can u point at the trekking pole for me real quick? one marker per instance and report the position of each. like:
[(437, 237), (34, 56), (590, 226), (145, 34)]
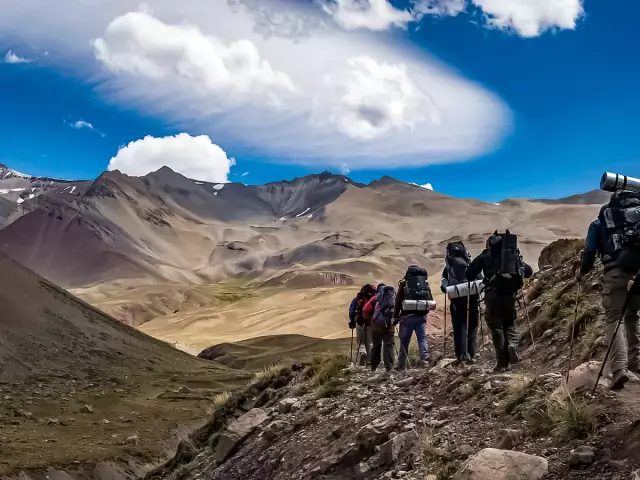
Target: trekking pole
[(466, 344), (444, 342), (480, 316), (360, 336), (573, 329), (634, 290)]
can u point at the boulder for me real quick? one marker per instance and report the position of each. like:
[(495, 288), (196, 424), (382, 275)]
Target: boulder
[(236, 433), (583, 455), (494, 464), (287, 405), (581, 378), (375, 433), (508, 439), (407, 382), (390, 451), (272, 430)]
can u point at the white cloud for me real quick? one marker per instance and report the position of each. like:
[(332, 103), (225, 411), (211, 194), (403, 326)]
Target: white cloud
[(344, 169), (439, 7), (83, 125), (245, 174), (373, 98), (426, 186), (12, 58), (181, 56), (293, 87), (194, 157), (367, 14), (531, 18)]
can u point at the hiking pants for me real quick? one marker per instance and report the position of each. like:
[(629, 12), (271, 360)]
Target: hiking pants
[(408, 325), (501, 320), (625, 352), (464, 339), (363, 337), (384, 345)]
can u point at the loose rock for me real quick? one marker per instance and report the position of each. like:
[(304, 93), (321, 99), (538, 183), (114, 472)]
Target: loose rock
[(508, 439), (494, 464), (583, 455)]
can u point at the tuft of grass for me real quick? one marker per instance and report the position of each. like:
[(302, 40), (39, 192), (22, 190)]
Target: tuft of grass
[(219, 402), (590, 343), (518, 390), (270, 375), (586, 317), (564, 418), (446, 471), (329, 366), (427, 445), (332, 388)]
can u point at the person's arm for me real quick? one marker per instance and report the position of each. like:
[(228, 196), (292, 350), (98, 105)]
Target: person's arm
[(475, 268), (352, 313), (591, 249), (444, 283), (369, 308)]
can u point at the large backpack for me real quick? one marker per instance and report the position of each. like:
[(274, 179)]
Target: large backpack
[(365, 294), (506, 266), (416, 285), (457, 261), (385, 306), (620, 219)]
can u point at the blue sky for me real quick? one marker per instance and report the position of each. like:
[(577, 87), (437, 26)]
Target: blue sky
[(518, 113)]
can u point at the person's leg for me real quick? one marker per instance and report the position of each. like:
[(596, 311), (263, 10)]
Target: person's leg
[(459, 323), (389, 346), (632, 330), (472, 331), (405, 338), (614, 293), (421, 336), (376, 349), (368, 340), (509, 316), (494, 322)]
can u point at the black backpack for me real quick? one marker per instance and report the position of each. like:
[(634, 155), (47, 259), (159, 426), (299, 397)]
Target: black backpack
[(416, 285), (457, 261), (365, 294), (506, 267), (620, 220)]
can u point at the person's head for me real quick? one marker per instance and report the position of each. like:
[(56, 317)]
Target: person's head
[(493, 241), (380, 287)]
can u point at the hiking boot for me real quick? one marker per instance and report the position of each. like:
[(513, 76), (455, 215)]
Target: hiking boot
[(363, 359), (513, 354), (500, 368), (619, 379), (469, 360)]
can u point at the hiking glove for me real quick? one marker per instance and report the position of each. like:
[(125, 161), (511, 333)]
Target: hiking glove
[(352, 324), (443, 289)]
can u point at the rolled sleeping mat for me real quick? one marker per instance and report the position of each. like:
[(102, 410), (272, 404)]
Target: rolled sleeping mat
[(612, 182), (418, 306), (465, 289)]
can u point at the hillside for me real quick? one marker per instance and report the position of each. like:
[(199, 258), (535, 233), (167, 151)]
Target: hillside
[(330, 420), (79, 386)]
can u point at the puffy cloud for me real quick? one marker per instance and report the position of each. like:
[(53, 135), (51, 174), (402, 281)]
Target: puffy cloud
[(83, 125), (373, 98), (367, 14), (531, 18), (183, 57), (194, 157), (12, 58)]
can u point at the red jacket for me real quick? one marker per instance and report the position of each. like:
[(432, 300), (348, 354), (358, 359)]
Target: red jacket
[(369, 309)]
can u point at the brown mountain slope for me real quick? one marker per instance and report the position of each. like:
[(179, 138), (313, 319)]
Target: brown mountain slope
[(58, 354)]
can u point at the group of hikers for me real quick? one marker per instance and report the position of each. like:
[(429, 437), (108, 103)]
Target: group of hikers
[(498, 272)]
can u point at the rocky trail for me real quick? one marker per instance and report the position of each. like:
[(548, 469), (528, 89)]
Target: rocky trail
[(332, 420)]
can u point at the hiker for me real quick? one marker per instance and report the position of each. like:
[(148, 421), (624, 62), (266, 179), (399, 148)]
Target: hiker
[(464, 336), (380, 310), (413, 292), (609, 238), (504, 273), (357, 321)]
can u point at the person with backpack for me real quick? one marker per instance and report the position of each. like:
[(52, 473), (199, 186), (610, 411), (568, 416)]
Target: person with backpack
[(615, 237), (411, 308), (380, 310), (462, 308), (362, 326), (504, 273)]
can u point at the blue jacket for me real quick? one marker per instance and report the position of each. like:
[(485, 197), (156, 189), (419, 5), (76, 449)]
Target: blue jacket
[(352, 309), (596, 239)]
